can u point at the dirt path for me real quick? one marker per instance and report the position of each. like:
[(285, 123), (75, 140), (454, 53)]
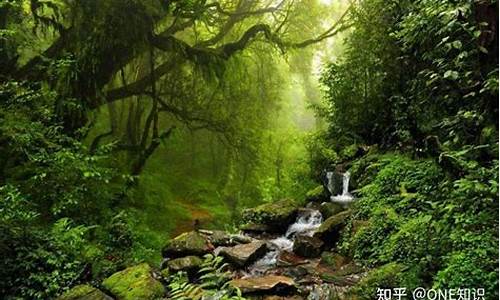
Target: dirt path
[(196, 213)]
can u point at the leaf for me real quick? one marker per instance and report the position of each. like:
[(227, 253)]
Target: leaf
[(457, 44), (450, 74)]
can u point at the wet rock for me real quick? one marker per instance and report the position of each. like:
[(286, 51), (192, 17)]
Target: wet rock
[(307, 246), (189, 243), (287, 258), (318, 194), (133, 283), (329, 231), (329, 209), (278, 215), (244, 254), (265, 284), (84, 292), (189, 263)]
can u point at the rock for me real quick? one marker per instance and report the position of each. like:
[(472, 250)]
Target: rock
[(329, 231), (188, 243), (267, 284), (329, 209), (221, 238), (332, 260), (253, 228), (84, 292), (318, 194), (188, 263), (133, 283), (244, 254), (287, 258), (278, 215), (307, 246)]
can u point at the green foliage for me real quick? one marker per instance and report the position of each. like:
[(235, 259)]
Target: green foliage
[(213, 282)]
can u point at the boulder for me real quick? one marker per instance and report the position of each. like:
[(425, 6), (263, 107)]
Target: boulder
[(278, 215), (264, 284), (286, 259), (333, 261), (329, 231), (253, 228), (244, 254), (221, 238), (188, 243), (307, 246), (84, 292), (318, 194), (188, 263), (329, 209), (136, 282)]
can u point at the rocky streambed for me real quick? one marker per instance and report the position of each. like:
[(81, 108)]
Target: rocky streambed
[(282, 252)]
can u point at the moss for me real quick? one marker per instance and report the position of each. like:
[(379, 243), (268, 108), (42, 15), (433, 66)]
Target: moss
[(84, 292), (333, 224), (188, 243), (134, 283), (316, 195), (280, 213)]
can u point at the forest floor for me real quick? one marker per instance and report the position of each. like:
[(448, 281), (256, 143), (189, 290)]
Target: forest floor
[(195, 213)]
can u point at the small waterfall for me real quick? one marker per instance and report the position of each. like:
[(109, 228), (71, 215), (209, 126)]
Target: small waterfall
[(345, 197), (307, 222)]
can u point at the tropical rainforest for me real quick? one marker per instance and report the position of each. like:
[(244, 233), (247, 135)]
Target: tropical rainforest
[(154, 149)]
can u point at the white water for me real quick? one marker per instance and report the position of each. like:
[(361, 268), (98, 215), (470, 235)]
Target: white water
[(345, 197), (307, 222)]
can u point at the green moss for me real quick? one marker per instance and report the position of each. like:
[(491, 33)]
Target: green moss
[(188, 243), (84, 292), (134, 283), (279, 213)]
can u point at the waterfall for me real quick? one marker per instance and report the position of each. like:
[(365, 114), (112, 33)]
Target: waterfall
[(307, 222), (345, 197)]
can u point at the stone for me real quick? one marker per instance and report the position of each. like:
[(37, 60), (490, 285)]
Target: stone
[(318, 194), (84, 292), (188, 263), (329, 230), (278, 215), (287, 258), (307, 246), (188, 243), (267, 284), (332, 260), (258, 228), (329, 209), (135, 282), (221, 238), (244, 254)]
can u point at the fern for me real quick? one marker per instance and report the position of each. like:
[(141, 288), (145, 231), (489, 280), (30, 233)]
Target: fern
[(213, 283)]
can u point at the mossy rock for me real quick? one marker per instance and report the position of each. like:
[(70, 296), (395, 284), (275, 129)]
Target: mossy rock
[(133, 283), (188, 243), (329, 209), (318, 194), (84, 292), (278, 214), (333, 260), (330, 229), (188, 263)]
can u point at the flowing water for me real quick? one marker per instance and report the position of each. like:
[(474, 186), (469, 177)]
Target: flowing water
[(346, 197), (307, 222)]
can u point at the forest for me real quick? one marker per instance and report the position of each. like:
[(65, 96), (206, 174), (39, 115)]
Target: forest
[(249, 149)]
